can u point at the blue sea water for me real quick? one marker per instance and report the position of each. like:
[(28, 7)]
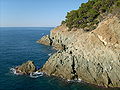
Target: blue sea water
[(18, 45)]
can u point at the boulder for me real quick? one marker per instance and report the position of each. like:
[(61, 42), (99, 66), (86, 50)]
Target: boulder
[(26, 68), (45, 40)]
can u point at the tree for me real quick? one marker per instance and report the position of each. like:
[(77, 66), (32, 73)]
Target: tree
[(88, 14)]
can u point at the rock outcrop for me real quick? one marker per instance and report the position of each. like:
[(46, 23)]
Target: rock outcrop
[(92, 56), (45, 40), (26, 68)]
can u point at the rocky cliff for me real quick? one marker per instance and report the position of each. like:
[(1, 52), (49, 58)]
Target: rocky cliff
[(91, 56)]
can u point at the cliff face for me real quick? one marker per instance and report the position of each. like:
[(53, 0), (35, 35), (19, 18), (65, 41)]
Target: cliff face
[(92, 56)]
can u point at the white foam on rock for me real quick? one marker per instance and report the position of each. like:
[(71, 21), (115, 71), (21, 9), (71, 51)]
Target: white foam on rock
[(13, 70), (36, 74), (49, 54), (32, 75), (78, 80), (39, 74)]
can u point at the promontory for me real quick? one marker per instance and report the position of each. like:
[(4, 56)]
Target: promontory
[(88, 44)]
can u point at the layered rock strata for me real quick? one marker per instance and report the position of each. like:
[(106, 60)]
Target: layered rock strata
[(92, 56)]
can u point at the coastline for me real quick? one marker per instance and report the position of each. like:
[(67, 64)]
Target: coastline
[(70, 62)]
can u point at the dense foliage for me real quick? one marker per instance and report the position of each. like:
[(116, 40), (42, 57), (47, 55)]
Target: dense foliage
[(91, 13)]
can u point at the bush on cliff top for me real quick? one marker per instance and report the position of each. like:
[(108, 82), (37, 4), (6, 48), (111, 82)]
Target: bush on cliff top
[(91, 13)]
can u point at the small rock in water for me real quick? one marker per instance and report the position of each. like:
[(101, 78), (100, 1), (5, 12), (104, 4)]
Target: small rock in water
[(25, 68)]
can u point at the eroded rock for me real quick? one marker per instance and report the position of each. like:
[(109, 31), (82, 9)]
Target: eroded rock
[(26, 68), (92, 56), (45, 40)]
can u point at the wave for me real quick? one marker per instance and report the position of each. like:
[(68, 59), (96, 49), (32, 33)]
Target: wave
[(36, 74), (32, 75), (77, 80), (49, 54), (39, 74), (13, 70)]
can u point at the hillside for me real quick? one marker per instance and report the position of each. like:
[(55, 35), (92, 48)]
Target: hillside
[(91, 13)]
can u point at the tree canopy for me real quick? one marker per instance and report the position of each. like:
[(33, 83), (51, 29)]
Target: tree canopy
[(90, 14)]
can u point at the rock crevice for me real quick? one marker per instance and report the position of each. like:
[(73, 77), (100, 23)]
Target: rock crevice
[(92, 56)]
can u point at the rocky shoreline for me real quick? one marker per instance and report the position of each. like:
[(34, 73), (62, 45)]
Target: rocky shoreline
[(91, 56)]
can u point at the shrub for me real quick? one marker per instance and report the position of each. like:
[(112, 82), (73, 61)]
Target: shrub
[(89, 14)]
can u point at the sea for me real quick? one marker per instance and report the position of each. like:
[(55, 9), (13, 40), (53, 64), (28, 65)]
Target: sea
[(18, 45)]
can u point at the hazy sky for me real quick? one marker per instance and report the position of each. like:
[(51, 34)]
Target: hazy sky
[(35, 13)]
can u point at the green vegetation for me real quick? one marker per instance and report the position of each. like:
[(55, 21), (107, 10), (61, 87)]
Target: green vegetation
[(91, 13)]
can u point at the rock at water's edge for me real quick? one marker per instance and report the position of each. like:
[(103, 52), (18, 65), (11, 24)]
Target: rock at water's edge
[(26, 68), (45, 40), (92, 56)]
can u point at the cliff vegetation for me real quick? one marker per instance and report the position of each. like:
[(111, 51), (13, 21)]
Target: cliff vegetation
[(91, 13)]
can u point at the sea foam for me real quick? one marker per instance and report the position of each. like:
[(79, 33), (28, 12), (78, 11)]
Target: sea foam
[(32, 75), (13, 70), (36, 74), (77, 80)]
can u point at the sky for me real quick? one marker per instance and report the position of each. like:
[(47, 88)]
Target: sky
[(35, 13)]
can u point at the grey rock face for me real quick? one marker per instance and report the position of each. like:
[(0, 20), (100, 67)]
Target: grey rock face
[(45, 40), (92, 56)]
